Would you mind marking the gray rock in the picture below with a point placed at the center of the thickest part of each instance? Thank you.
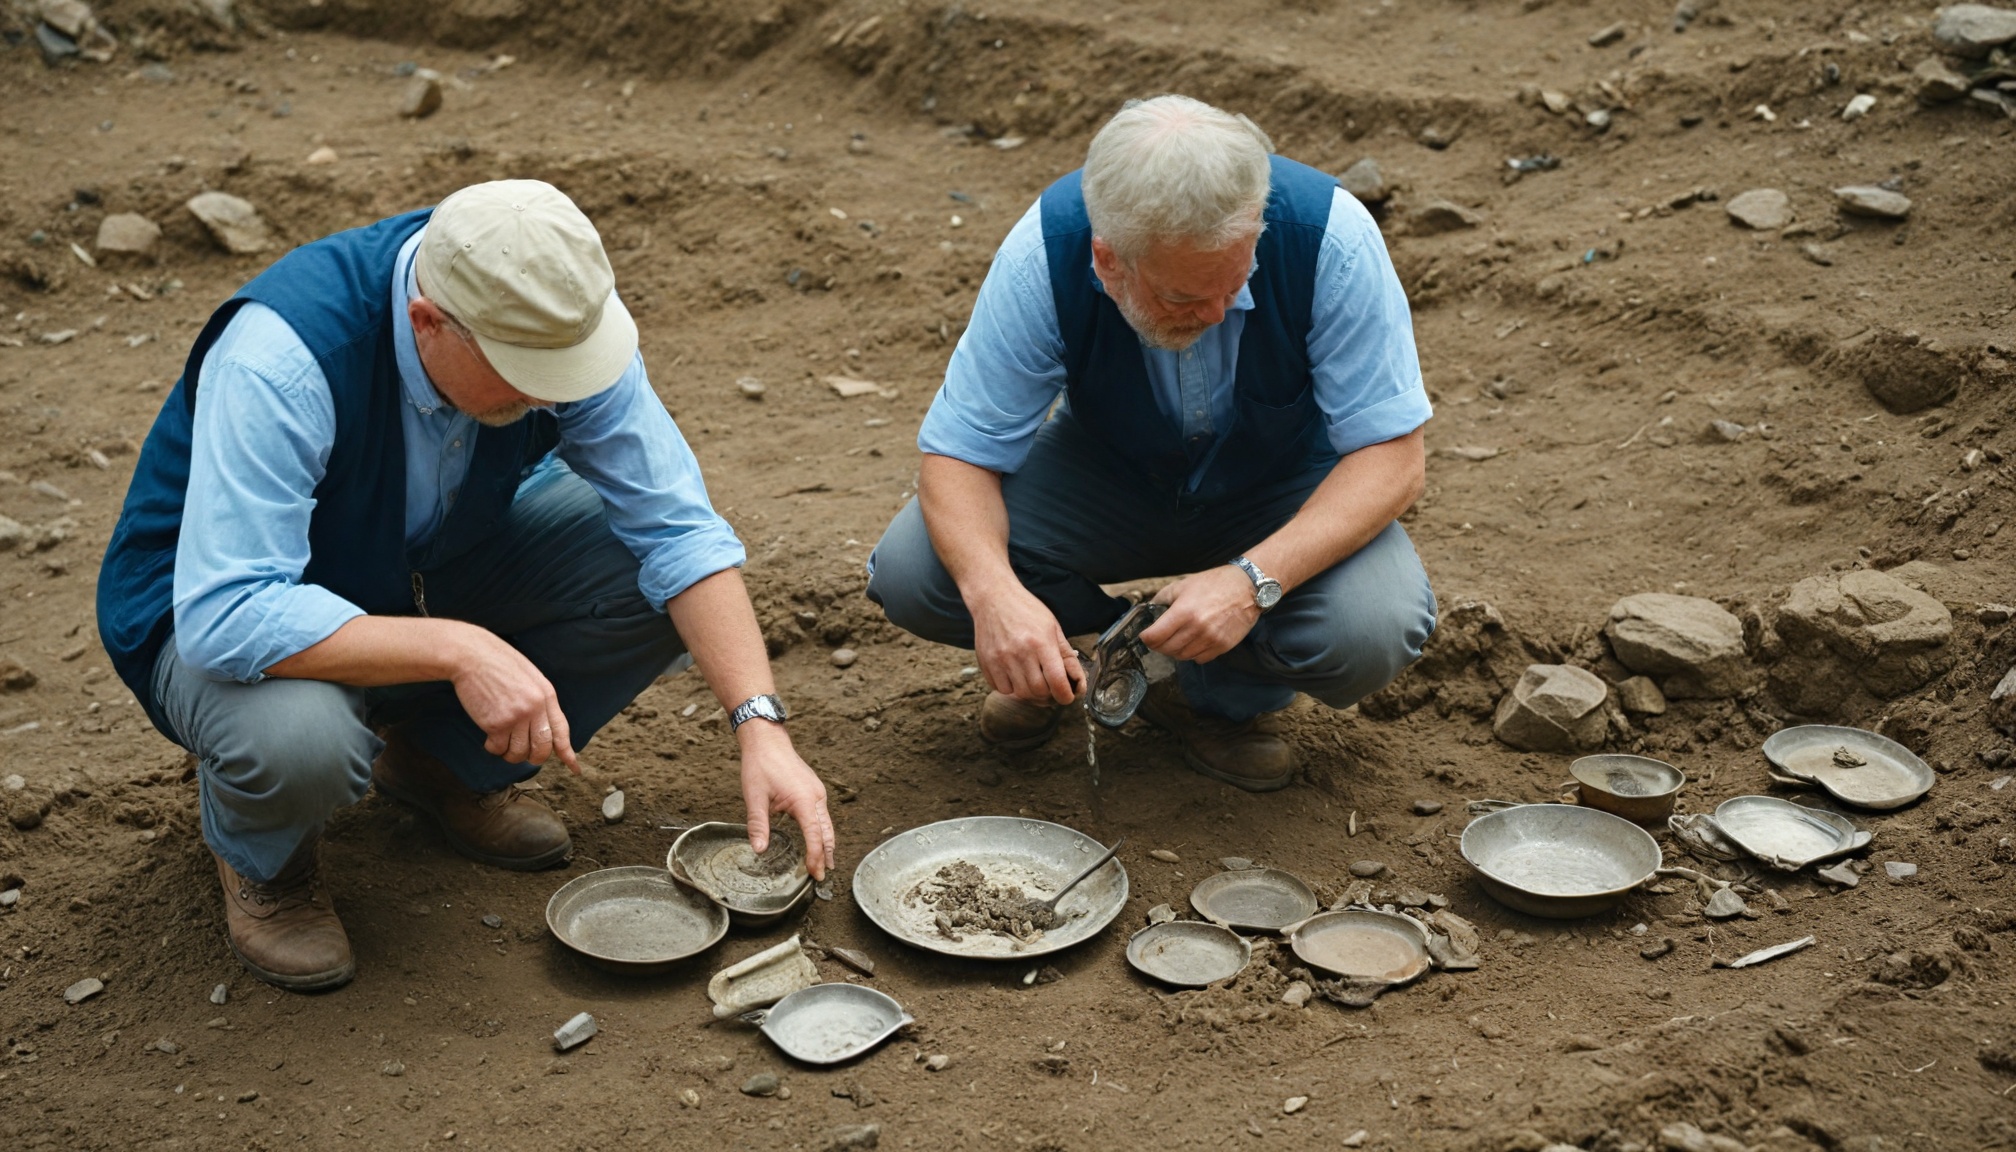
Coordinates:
(1296, 994)
(1972, 29)
(575, 1032)
(1726, 431)
(394, 1068)
(938, 1062)
(1724, 904)
(1553, 708)
(1840, 874)
(751, 387)
(83, 990)
(1234, 863)
(1642, 696)
(71, 17)
(421, 98)
(1694, 645)
(2002, 102)
(1365, 181)
(1427, 807)
(232, 222)
(1857, 628)
(843, 657)
(493, 921)
(1765, 209)
(220, 995)
(1368, 869)
(1688, 1138)
(1872, 202)
(14, 782)
(1938, 84)
(1439, 216)
(762, 1084)
(127, 232)
(1899, 870)
(1604, 37)
(851, 1136)
(612, 807)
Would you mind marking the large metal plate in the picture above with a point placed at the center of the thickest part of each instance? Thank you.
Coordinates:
(1364, 946)
(1039, 856)
(1785, 835)
(1188, 954)
(634, 919)
(1889, 775)
(829, 1023)
(1256, 899)
(1559, 860)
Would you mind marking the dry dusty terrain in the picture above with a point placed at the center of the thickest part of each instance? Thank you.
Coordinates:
(807, 187)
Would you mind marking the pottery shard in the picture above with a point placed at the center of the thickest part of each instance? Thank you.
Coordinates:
(1862, 627)
(232, 222)
(127, 232)
(1765, 209)
(1553, 708)
(1973, 29)
(1694, 646)
(1873, 202)
(1439, 216)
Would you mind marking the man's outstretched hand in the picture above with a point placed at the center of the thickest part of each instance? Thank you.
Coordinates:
(776, 780)
(1022, 651)
(1208, 615)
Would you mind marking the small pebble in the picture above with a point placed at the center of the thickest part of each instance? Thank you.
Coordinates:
(220, 994)
(844, 657)
(1166, 856)
(688, 1098)
(761, 1084)
(1293, 1105)
(1235, 863)
(1724, 904)
(1356, 1139)
(248, 1097)
(612, 807)
(1899, 870)
(83, 990)
(393, 1068)
(13, 781)
(165, 1046)
(575, 1032)
(1297, 994)
(1368, 869)
(1161, 914)
(1427, 807)
(751, 387)
(1655, 951)
(493, 921)
(10, 897)
(938, 1063)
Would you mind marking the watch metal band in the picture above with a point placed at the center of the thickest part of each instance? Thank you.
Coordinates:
(763, 707)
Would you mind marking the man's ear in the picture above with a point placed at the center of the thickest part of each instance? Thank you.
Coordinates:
(425, 315)
(1107, 264)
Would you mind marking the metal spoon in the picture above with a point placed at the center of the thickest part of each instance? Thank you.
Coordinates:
(1050, 905)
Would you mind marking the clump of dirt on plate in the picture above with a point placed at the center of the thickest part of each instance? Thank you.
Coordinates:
(965, 900)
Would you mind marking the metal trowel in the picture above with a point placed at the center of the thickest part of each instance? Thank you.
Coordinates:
(1120, 667)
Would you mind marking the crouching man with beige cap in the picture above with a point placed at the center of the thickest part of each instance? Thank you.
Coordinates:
(439, 529)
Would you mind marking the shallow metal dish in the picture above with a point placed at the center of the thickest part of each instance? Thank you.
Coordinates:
(1558, 860)
(1363, 946)
(634, 919)
(1188, 954)
(829, 1023)
(716, 859)
(1256, 899)
(1036, 854)
(1891, 777)
(1637, 788)
(1785, 835)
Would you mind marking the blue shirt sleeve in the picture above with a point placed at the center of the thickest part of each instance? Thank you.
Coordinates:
(1361, 336)
(623, 442)
(263, 430)
(1009, 365)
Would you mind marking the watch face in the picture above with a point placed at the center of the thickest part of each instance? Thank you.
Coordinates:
(1267, 594)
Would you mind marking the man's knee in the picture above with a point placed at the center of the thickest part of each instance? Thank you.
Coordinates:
(303, 748)
(910, 583)
(1355, 645)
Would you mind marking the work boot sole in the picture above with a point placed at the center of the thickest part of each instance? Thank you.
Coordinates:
(313, 982)
(537, 863)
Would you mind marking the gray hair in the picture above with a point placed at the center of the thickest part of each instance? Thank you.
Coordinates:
(1173, 168)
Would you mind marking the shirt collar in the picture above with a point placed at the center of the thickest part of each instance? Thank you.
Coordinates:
(420, 391)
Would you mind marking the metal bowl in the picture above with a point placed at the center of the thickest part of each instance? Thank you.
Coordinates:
(1637, 788)
(1256, 899)
(1363, 946)
(1036, 854)
(716, 859)
(829, 1023)
(1889, 775)
(1785, 835)
(634, 919)
(1558, 860)
(1188, 954)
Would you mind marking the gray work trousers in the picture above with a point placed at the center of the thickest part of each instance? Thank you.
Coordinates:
(1078, 519)
(278, 756)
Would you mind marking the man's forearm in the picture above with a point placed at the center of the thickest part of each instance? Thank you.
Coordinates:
(968, 522)
(1363, 493)
(718, 626)
(375, 651)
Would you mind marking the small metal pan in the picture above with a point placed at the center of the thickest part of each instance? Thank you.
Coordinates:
(1638, 788)
(1363, 946)
(1560, 861)
(757, 891)
(829, 1023)
(1255, 899)
(1188, 954)
(1853, 766)
(634, 920)
(1785, 835)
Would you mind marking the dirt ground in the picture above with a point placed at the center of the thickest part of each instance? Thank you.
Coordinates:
(815, 187)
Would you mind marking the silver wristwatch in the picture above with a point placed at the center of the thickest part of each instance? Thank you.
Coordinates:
(764, 707)
(1266, 589)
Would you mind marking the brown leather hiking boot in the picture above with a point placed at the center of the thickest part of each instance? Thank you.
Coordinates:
(1250, 754)
(285, 931)
(1016, 725)
(508, 828)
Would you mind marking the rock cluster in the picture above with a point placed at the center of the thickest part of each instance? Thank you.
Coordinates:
(1857, 629)
(1694, 647)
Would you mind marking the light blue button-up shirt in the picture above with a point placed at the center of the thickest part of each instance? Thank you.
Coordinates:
(265, 424)
(1009, 365)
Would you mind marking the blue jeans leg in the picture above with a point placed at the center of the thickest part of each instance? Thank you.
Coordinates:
(558, 585)
(274, 758)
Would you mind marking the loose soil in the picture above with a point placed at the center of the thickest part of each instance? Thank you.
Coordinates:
(808, 188)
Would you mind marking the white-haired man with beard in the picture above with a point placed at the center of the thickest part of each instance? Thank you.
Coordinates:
(1243, 403)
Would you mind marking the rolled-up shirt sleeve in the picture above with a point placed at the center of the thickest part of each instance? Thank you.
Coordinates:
(624, 443)
(1361, 337)
(264, 426)
(1009, 364)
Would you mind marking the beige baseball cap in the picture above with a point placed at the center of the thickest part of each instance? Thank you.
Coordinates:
(520, 265)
